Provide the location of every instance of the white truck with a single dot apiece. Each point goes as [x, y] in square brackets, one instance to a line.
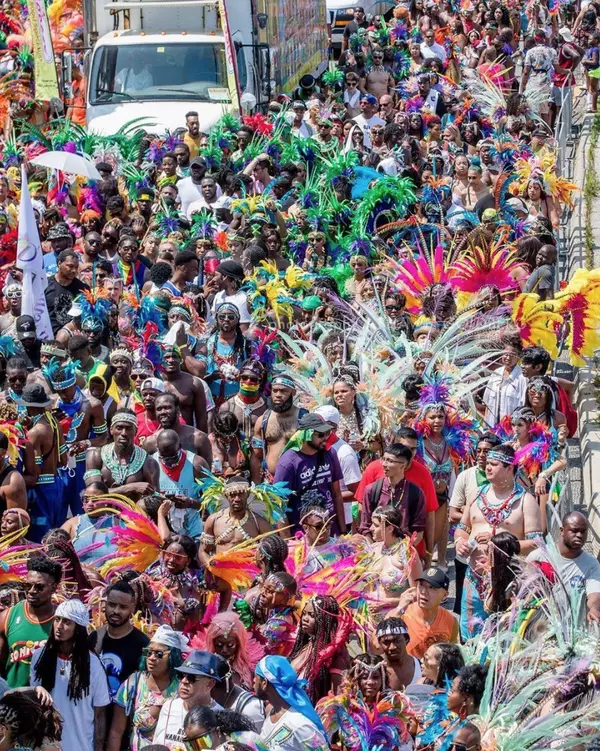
[158, 59]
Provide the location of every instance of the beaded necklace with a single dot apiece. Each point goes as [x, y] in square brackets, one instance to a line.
[119, 471]
[496, 514]
[232, 526]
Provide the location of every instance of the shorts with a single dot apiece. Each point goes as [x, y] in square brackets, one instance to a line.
[559, 94]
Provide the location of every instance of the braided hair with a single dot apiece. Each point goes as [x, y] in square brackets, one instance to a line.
[79, 680]
[273, 550]
[316, 669]
[27, 721]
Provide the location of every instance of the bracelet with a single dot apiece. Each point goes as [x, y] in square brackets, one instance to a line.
[533, 535]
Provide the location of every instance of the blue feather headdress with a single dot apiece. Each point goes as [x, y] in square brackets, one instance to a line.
[60, 375]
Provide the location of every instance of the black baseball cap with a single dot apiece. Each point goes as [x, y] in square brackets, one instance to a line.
[25, 326]
[313, 421]
[437, 577]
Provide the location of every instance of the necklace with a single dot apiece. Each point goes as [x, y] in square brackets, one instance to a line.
[120, 470]
[496, 513]
[232, 526]
[437, 445]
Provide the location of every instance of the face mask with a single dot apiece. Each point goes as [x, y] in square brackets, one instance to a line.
[249, 388]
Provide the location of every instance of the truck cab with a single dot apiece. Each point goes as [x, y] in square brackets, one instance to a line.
[159, 77]
[163, 58]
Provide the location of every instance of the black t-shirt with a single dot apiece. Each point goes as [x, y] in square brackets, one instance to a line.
[120, 657]
[54, 290]
[352, 27]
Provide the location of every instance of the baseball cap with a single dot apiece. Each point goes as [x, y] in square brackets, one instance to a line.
[59, 231]
[329, 413]
[518, 204]
[204, 663]
[75, 310]
[566, 34]
[368, 98]
[153, 383]
[314, 421]
[25, 326]
[437, 577]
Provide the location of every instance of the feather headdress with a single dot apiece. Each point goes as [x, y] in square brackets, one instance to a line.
[542, 167]
[266, 500]
[538, 322]
[361, 726]
[138, 542]
[579, 304]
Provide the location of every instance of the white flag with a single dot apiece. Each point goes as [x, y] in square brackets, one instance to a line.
[30, 260]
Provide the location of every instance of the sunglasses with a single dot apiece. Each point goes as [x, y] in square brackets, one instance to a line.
[174, 556]
[393, 307]
[317, 527]
[189, 678]
[33, 587]
[158, 653]
[463, 747]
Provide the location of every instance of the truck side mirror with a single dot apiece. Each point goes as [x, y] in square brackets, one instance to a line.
[67, 75]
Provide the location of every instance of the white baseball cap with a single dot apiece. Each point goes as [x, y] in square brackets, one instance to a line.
[566, 34]
[329, 413]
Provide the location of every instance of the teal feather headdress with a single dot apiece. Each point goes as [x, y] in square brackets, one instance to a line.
[387, 201]
[60, 375]
[204, 225]
[8, 347]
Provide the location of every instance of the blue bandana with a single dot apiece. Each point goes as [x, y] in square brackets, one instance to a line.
[284, 679]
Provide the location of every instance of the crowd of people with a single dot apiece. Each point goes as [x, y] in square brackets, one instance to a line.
[284, 477]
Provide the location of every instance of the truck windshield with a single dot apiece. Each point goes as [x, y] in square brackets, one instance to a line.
[155, 72]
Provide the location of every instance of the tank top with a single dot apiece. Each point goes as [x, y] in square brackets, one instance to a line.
[422, 634]
[185, 485]
[23, 636]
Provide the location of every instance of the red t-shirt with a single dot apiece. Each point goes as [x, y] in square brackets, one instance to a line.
[416, 473]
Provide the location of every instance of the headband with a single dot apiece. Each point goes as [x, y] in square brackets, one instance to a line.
[228, 307]
[370, 668]
[286, 381]
[323, 514]
[121, 352]
[386, 629]
[182, 310]
[274, 581]
[24, 518]
[237, 485]
[173, 350]
[499, 456]
[49, 349]
[537, 384]
[125, 417]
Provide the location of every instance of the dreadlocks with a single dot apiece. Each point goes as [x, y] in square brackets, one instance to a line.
[79, 680]
[322, 644]
[273, 550]
[27, 721]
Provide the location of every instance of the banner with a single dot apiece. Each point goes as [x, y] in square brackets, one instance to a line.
[299, 39]
[44, 71]
[31, 262]
[230, 58]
